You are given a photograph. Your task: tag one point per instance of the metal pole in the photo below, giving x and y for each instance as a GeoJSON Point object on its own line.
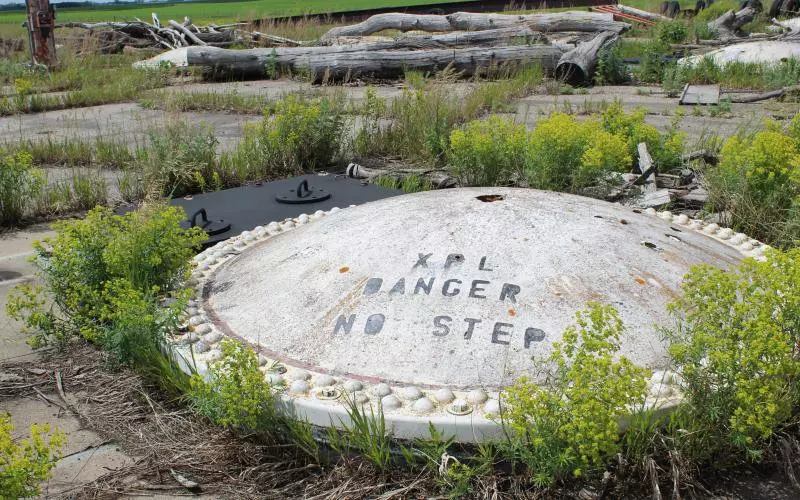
{"type": "Point", "coordinates": [41, 32]}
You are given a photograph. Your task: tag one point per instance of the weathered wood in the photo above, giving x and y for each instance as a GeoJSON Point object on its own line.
{"type": "Point", "coordinates": [440, 179]}
{"type": "Point", "coordinates": [646, 166]}
{"type": "Point", "coordinates": [183, 29]}
{"type": "Point", "coordinates": [327, 62]}
{"type": "Point", "coordinates": [765, 95]}
{"type": "Point", "coordinates": [466, 21]}
{"type": "Point", "coordinates": [642, 13]}
{"type": "Point", "coordinates": [522, 33]}
{"type": "Point", "coordinates": [656, 198]}
{"type": "Point", "coordinates": [706, 155]}
{"type": "Point", "coordinates": [577, 66]}
{"type": "Point", "coordinates": [391, 21]}
{"type": "Point", "coordinates": [729, 24]}
{"type": "Point", "coordinates": [559, 21]}
{"type": "Point", "coordinates": [216, 36]}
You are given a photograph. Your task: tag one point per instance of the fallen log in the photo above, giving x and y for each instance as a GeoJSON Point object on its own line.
{"type": "Point", "coordinates": [391, 21]}
{"type": "Point", "coordinates": [439, 179]}
{"type": "Point", "coordinates": [729, 24]}
{"type": "Point", "coordinates": [467, 21]}
{"type": "Point", "coordinates": [642, 13]}
{"type": "Point", "coordinates": [765, 95]}
{"type": "Point", "coordinates": [559, 21]}
{"type": "Point", "coordinates": [522, 33]}
{"type": "Point", "coordinates": [216, 36]}
{"type": "Point", "coordinates": [576, 67]}
{"type": "Point", "coordinates": [337, 63]}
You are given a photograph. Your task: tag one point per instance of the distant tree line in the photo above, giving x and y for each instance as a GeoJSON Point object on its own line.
{"type": "Point", "coordinates": [86, 4]}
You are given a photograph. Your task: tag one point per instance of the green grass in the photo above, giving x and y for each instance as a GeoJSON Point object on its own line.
{"type": "Point", "coordinates": [215, 11]}
{"type": "Point", "coordinates": [82, 81]}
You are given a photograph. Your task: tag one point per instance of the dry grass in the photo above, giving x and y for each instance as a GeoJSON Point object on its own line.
{"type": "Point", "coordinates": [163, 435]}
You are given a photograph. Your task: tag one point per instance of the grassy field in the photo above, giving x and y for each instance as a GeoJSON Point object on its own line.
{"type": "Point", "coordinates": [219, 10]}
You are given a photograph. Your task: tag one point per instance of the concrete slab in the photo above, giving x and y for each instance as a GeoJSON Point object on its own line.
{"type": "Point", "coordinates": [86, 455]}
{"type": "Point", "coordinates": [126, 123]}
{"type": "Point", "coordinates": [13, 345]}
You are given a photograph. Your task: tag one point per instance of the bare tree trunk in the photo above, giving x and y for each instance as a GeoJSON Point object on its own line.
{"type": "Point", "coordinates": [577, 66]}
{"type": "Point", "coordinates": [559, 21]}
{"type": "Point", "coordinates": [440, 179]}
{"type": "Point", "coordinates": [328, 62]}
{"type": "Point", "coordinates": [466, 21]}
{"type": "Point", "coordinates": [728, 25]}
{"type": "Point", "coordinates": [642, 13]}
{"type": "Point", "coordinates": [391, 21]}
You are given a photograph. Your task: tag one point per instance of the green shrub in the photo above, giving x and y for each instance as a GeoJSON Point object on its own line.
{"type": "Point", "coordinates": [19, 183]}
{"type": "Point", "coordinates": [302, 136]}
{"type": "Point", "coordinates": [652, 64]}
{"type": "Point", "coordinates": [235, 393]}
{"type": "Point", "coordinates": [734, 74]}
{"type": "Point", "coordinates": [757, 184]}
{"type": "Point", "coordinates": [736, 350]}
{"type": "Point", "coordinates": [567, 154]}
{"type": "Point", "coordinates": [611, 68]}
{"type": "Point", "coordinates": [365, 433]}
{"type": "Point", "coordinates": [488, 152]}
{"type": "Point", "coordinates": [671, 32]}
{"type": "Point", "coordinates": [371, 134]}
{"type": "Point", "coordinates": [666, 149]}
{"type": "Point", "coordinates": [105, 276]}
{"type": "Point", "coordinates": [421, 123]}
{"type": "Point", "coordinates": [23, 465]}
{"type": "Point", "coordinates": [569, 424]}
{"type": "Point", "coordinates": [174, 156]}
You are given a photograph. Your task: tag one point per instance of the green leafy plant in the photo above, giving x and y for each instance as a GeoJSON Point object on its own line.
{"type": "Point", "coordinates": [735, 348]}
{"type": "Point", "coordinates": [105, 276]}
{"type": "Point", "coordinates": [488, 152]}
{"type": "Point", "coordinates": [23, 465]}
{"type": "Point", "coordinates": [302, 136]}
{"type": "Point", "coordinates": [757, 184]}
{"type": "Point", "coordinates": [234, 392]}
{"type": "Point", "coordinates": [569, 425]}
{"type": "Point", "coordinates": [652, 65]}
{"type": "Point", "coordinates": [363, 432]}
{"type": "Point", "coordinates": [666, 149]}
{"type": "Point", "coordinates": [672, 32]}
{"type": "Point", "coordinates": [19, 183]}
{"type": "Point", "coordinates": [611, 68]}
{"type": "Point", "coordinates": [565, 154]}
{"type": "Point", "coordinates": [175, 155]}
{"type": "Point", "coordinates": [271, 66]}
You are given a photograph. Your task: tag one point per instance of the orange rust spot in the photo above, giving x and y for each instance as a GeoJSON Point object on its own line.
{"type": "Point", "coordinates": [512, 312]}
{"type": "Point", "coordinates": [639, 280]}
{"type": "Point", "coordinates": [344, 269]}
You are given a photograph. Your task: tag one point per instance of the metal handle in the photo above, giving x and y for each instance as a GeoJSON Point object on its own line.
{"type": "Point", "coordinates": [303, 190]}
{"type": "Point", "coordinates": [202, 213]}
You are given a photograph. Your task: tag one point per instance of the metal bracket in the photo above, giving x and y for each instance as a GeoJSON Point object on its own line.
{"type": "Point", "coordinates": [303, 194]}
{"type": "Point", "coordinates": [211, 227]}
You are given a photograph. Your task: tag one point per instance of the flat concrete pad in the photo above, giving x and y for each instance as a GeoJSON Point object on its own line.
{"type": "Point", "coordinates": [126, 123]}
{"type": "Point", "coordinates": [86, 456]}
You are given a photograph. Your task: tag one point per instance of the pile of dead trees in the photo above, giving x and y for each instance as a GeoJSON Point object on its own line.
{"type": "Point", "coordinates": [566, 44]}
{"type": "Point", "coordinates": [114, 36]}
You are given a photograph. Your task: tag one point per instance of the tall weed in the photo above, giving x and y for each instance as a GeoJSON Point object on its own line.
{"type": "Point", "coordinates": [19, 183]}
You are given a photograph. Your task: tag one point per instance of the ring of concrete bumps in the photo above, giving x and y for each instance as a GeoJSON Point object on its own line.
{"type": "Point", "coordinates": [199, 341]}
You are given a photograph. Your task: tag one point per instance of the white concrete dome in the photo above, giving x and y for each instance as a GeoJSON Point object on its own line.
{"type": "Point", "coordinates": [427, 305]}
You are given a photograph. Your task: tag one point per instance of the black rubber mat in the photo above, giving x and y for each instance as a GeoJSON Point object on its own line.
{"type": "Point", "coordinates": [244, 208]}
